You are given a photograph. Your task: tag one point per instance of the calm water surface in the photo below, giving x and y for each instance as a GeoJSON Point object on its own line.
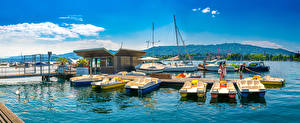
{"type": "Point", "coordinates": [59, 102]}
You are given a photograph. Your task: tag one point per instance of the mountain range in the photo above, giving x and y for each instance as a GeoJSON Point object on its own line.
{"type": "Point", "coordinates": [215, 49]}
{"type": "Point", "coordinates": [173, 50]}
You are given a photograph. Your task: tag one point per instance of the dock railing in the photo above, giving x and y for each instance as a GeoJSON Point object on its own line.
{"type": "Point", "coordinates": [22, 70]}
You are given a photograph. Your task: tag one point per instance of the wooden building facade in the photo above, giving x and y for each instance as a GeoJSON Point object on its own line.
{"type": "Point", "coordinates": [104, 61]}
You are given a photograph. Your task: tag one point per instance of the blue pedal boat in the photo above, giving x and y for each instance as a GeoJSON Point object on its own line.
{"type": "Point", "coordinates": [142, 85]}
{"type": "Point", "coordinates": [85, 80]}
{"type": "Point", "coordinates": [251, 87]}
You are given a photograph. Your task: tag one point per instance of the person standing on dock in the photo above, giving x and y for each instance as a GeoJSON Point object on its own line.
{"type": "Point", "coordinates": [241, 69]}
{"type": "Point", "coordinates": [224, 71]}
{"type": "Point", "coordinates": [220, 71]}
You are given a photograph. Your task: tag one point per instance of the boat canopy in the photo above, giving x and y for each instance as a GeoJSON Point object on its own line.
{"type": "Point", "coordinates": [256, 64]}
{"type": "Point", "coordinates": [100, 52]}
{"type": "Point", "coordinates": [148, 59]}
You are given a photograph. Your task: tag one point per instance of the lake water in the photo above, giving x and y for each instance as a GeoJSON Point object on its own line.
{"type": "Point", "coordinates": [57, 101]}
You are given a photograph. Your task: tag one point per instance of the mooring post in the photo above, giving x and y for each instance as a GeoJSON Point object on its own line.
{"type": "Point", "coordinates": [24, 65]}
{"type": "Point", "coordinates": [41, 68]}
{"type": "Point", "coordinates": [49, 57]}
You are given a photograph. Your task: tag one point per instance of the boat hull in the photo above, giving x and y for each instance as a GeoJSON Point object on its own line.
{"type": "Point", "coordinates": [257, 69]}
{"type": "Point", "coordinates": [272, 82]}
{"type": "Point", "coordinates": [202, 94]}
{"type": "Point", "coordinates": [216, 68]}
{"type": "Point", "coordinates": [247, 94]}
{"type": "Point", "coordinates": [149, 71]}
{"type": "Point", "coordinates": [80, 83]}
{"type": "Point", "coordinates": [181, 69]}
{"type": "Point", "coordinates": [143, 91]}
{"type": "Point", "coordinates": [216, 95]}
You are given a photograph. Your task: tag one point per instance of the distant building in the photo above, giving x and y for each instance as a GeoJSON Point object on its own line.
{"type": "Point", "coordinates": [104, 61]}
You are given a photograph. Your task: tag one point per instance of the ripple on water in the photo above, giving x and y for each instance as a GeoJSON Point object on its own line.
{"type": "Point", "coordinates": [59, 102]}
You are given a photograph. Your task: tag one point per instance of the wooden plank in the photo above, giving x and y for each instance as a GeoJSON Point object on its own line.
{"type": "Point", "coordinates": [175, 80]}
{"type": "Point", "coordinates": [31, 75]}
{"type": "Point", "coordinates": [8, 116]}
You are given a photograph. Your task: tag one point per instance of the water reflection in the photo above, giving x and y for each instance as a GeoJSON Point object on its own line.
{"type": "Point", "coordinates": [253, 102]}
{"type": "Point", "coordinates": [200, 101]}
{"type": "Point", "coordinates": [221, 102]}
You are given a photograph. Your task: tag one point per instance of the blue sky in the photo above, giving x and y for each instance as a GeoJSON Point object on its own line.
{"type": "Point", "coordinates": [35, 26]}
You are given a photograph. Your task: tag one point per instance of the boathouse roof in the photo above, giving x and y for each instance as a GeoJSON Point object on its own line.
{"type": "Point", "coordinates": [97, 52]}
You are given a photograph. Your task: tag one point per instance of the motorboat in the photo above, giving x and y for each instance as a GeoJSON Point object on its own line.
{"type": "Point", "coordinates": [150, 65]}
{"type": "Point", "coordinates": [108, 83]}
{"type": "Point", "coordinates": [267, 80]}
{"type": "Point", "coordinates": [4, 64]}
{"type": "Point", "coordinates": [85, 79]}
{"type": "Point", "coordinates": [180, 67]}
{"type": "Point", "coordinates": [257, 67]}
{"type": "Point", "coordinates": [215, 67]}
{"type": "Point", "coordinates": [142, 85]}
{"type": "Point", "coordinates": [132, 73]}
{"type": "Point", "coordinates": [251, 87]}
{"type": "Point", "coordinates": [194, 87]}
{"type": "Point", "coordinates": [223, 88]}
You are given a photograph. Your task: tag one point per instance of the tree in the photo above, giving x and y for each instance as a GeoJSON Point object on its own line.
{"type": "Point", "coordinates": [62, 61]}
{"type": "Point", "coordinates": [82, 63]}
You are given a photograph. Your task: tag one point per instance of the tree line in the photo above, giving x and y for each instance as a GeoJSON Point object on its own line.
{"type": "Point", "coordinates": [238, 57]}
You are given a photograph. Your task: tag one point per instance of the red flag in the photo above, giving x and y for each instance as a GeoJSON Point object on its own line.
{"type": "Point", "coordinates": [153, 26]}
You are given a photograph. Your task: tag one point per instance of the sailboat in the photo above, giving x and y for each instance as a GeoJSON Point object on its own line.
{"type": "Point", "coordinates": [180, 66]}
{"type": "Point", "coordinates": [150, 64]}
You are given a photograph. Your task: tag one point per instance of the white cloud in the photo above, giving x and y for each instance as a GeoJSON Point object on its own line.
{"type": "Point", "coordinates": [14, 49]}
{"type": "Point", "coordinates": [48, 31]}
{"type": "Point", "coordinates": [86, 29]}
{"type": "Point", "coordinates": [266, 44]}
{"type": "Point", "coordinates": [31, 38]}
{"type": "Point", "coordinates": [72, 17]}
{"type": "Point", "coordinates": [213, 12]}
{"type": "Point", "coordinates": [206, 10]}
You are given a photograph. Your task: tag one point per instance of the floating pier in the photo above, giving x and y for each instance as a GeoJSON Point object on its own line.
{"type": "Point", "coordinates": [176, 81]}
{"type": "Point", "coordinates": [7, 116]}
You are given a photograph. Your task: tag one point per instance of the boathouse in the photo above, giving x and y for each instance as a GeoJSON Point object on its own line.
{"type": "Point", "coordinates": [105, 61]}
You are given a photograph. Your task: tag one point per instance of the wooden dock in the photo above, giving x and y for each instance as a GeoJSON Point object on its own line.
{"type": "Point", "coordinates": [52, 74]}
{"type": "Point", "coordinates": [176, 81]}
{"type": "Point", "coordinates": [7, 116]}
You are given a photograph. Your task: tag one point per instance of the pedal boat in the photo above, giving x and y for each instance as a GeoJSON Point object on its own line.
{"type": "Point", "coordinates": [223, 88]}
{"type": "Point", "coordinates": [85, 79]}
{"type": "Point", "coordinates": [142, 85]}
{"type": "Point", "coordinates": [251, 87]}
{"type": "Point", "coordinates": [267, 80]}
{"type": "Point", "coordinates": [106, 83]}
{"type": "Point", "coordinates": [193, 88]}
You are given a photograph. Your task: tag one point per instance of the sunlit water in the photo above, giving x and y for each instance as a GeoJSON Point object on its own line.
{"type": "Point", "coordinates": [57, 101]}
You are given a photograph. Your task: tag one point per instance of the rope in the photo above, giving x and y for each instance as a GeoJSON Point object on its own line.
{"type": "Point", "coordinates": [253, 71]}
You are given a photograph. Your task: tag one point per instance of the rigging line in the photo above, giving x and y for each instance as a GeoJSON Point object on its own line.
{"type": "Point", "coordinates": [184, 46]}
{"type": "Point", "coordinates": [176, 37]}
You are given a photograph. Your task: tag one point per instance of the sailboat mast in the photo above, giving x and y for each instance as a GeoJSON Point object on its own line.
{"type": "Point", "coordinates": [153, 40]}
{"type": "Point", "coordinates": [176, 37]}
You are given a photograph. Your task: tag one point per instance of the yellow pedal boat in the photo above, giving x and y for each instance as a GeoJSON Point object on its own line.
{"type": "Point", "coordinates": [108, 83]}
{"type": "Point", "coordinates": [193, 88]}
